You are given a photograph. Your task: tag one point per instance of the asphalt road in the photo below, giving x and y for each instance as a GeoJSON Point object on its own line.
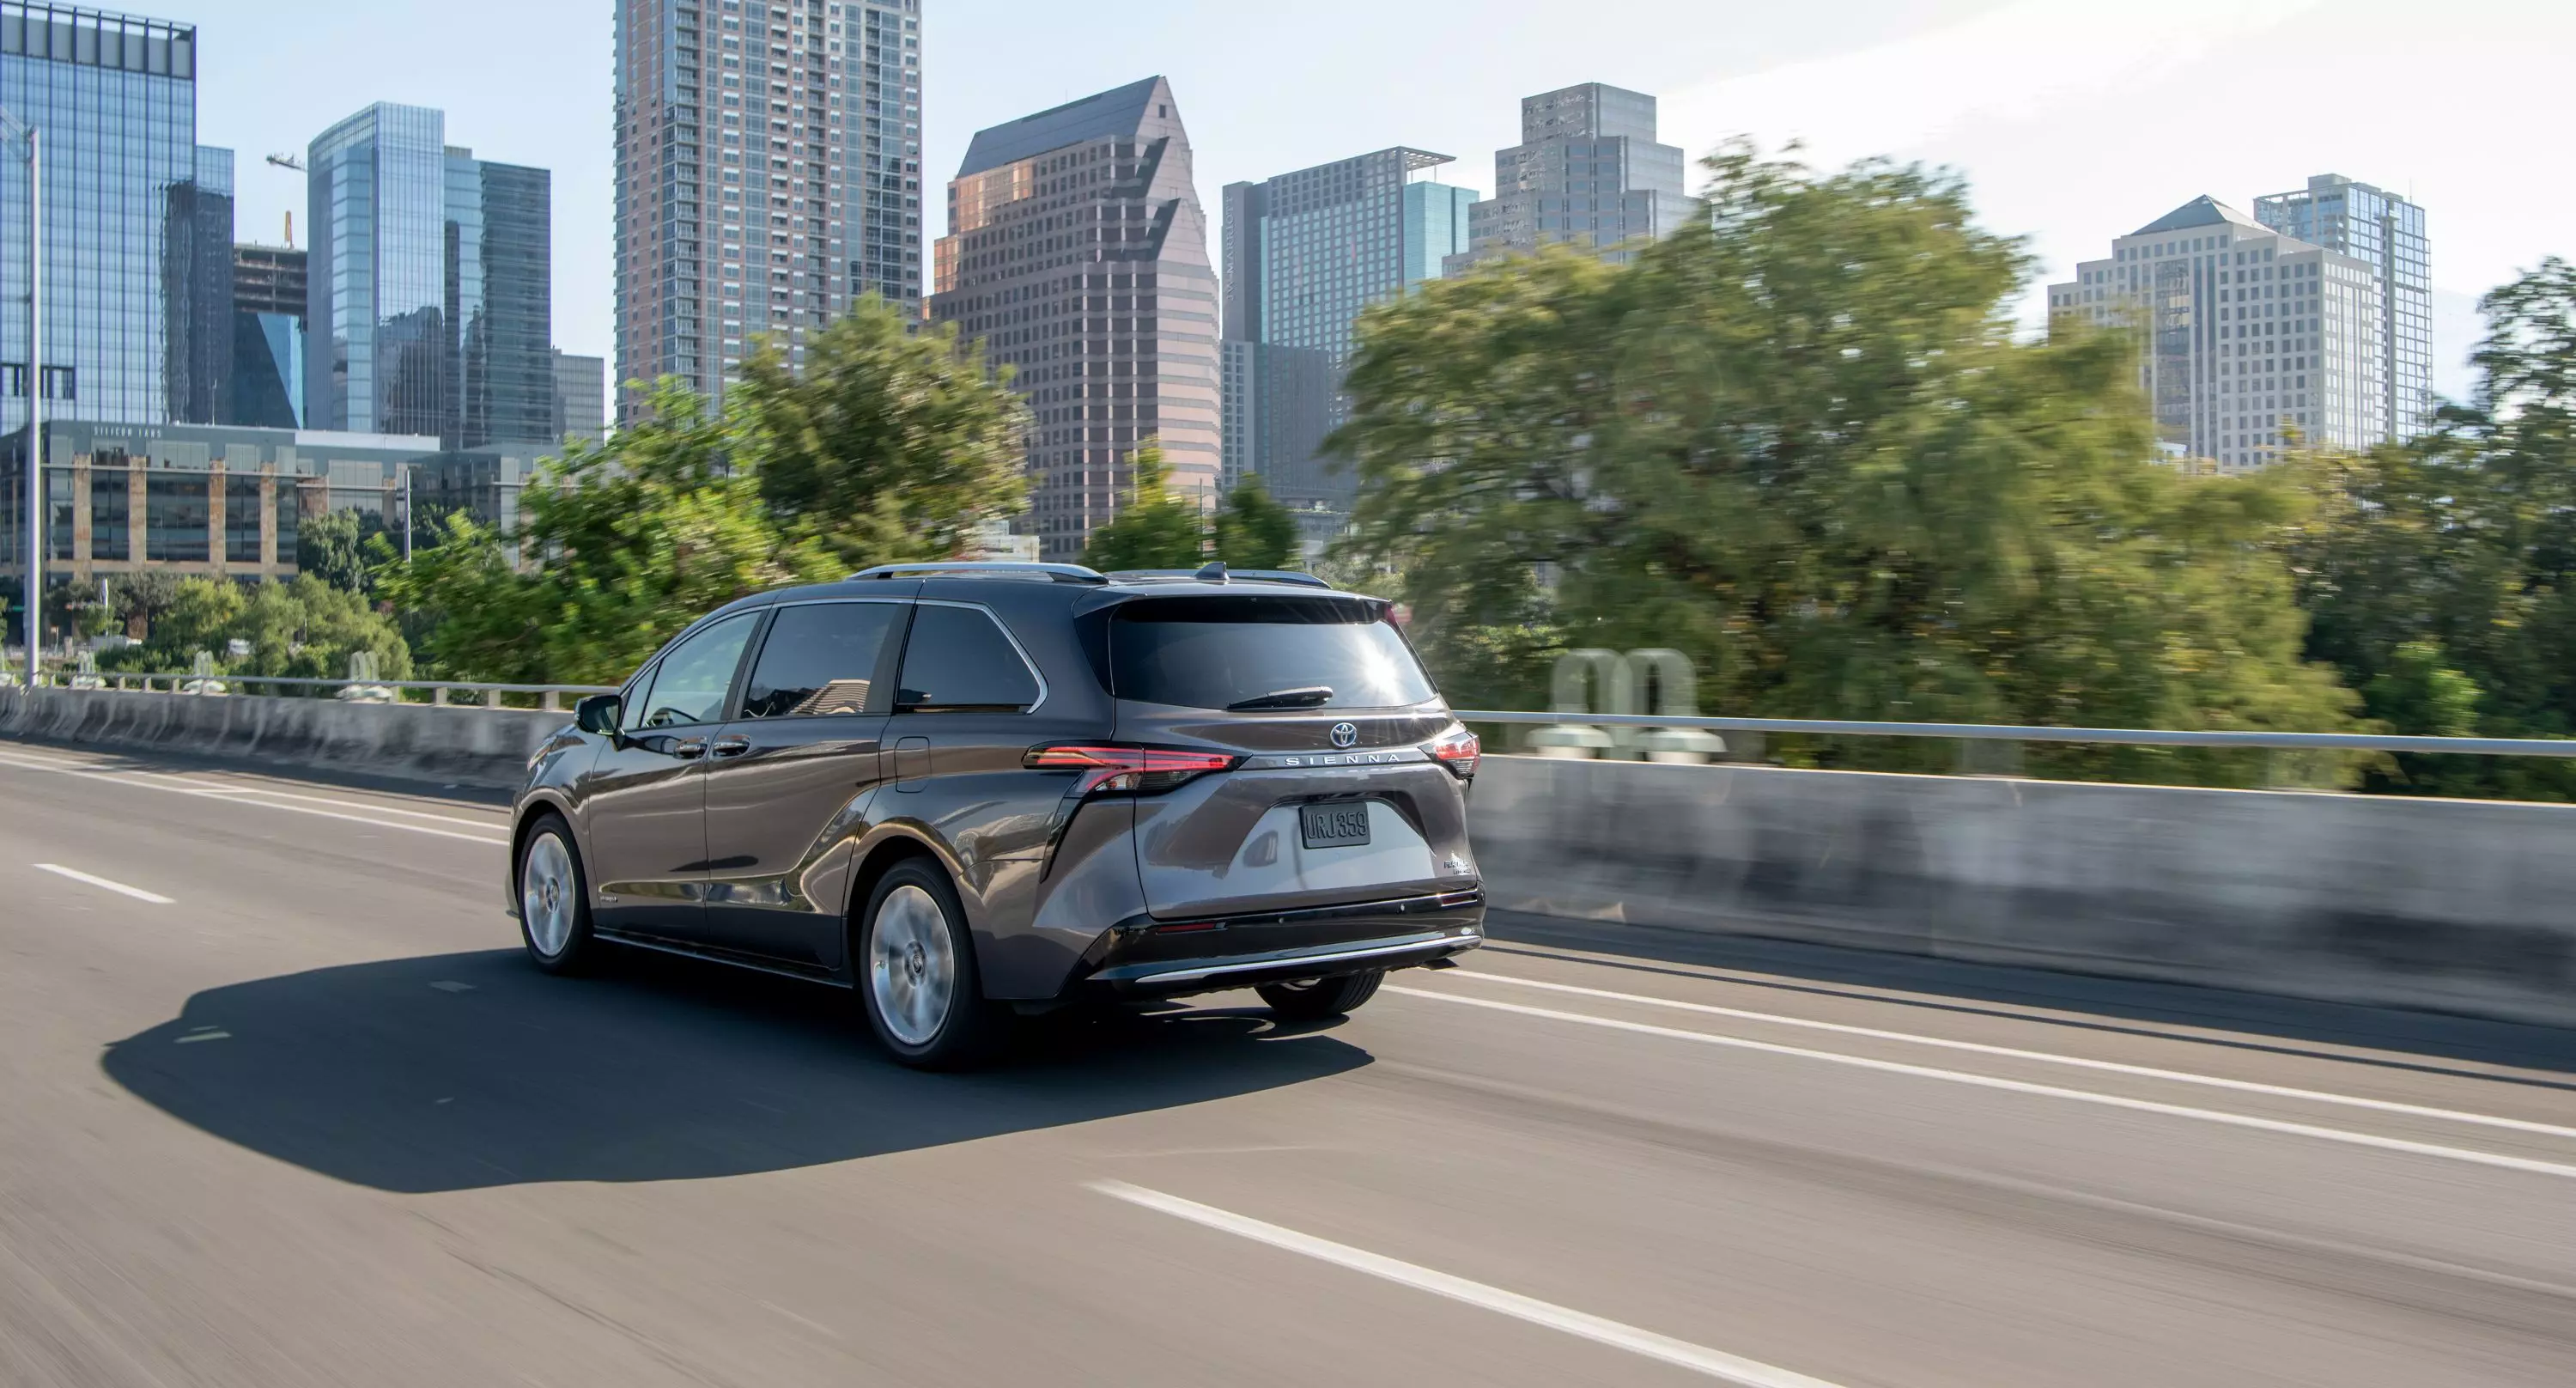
{"type": "Point", "coordinates": [300, 1115]}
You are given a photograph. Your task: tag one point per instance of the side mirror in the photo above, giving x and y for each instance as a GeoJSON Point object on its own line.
{"type": "Point", "coordinates": [598, 714]}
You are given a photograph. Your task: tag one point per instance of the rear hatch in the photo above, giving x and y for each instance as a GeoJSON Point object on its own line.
{"type": "Point", "coordinates": [1334, 797]}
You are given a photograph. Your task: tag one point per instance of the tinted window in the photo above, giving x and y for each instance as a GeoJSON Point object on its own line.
{"type": "Point", "coordinates": [1221, 652]}
{"type": "Point", "coordinates": [958, 658]}
{"type": "Point", "coordinates": [690, 687]}
{"type": "Point", "coordinates": [639, 701]}
{"type": "Point", "coordinates": [821, 658]}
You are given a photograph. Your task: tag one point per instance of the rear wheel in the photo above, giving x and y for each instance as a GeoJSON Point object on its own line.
{"type": "Point", "coordinates": [554, 900]}
{"type": "Point", "coordinates": [917, 973]}
{"type": "Point", "coordinates": [1304, 999]}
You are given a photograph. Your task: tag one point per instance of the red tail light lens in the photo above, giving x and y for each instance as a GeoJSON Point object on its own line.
{"type": "Point", "coordinates": [1459, 751]}
{"type": "Point", "coordinates": [1137, 770]}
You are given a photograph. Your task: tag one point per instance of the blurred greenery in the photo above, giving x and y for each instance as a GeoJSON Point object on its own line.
{"type": "Point", "coordinates": [302, 628]}
{"type": "Point", "coordinates": [1159, 530]}
{"type": "Point", "coordinates": [1801, 443]}
{"type": "Point", "coordinates": [2442, 573]}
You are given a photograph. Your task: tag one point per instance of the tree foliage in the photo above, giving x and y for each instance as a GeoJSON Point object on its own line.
{"type": "Point", "coordinates": [302, 628]}
{"type": "Point", "coordinates": [2442, 577]}
{"type": "Point", "coordinates": [1253, 531]}
{"type": "Point", "coordinates": [1158, 529]}
{"type": "Point", "coordinates": [1799, 442]}
{"type": "Point", "coordinates": [879, 446]}
{"type": "Point", "coordinates": [332, 547]}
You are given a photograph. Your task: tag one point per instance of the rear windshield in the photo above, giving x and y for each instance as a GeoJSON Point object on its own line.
{"type": "Point", "coordinates": [1262, 652]}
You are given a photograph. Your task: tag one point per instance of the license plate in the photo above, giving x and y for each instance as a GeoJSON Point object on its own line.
{"type": "Point", "coordinates": [1337, 825]}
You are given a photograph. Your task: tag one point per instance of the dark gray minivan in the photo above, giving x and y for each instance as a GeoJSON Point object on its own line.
{"type": "Point", "coordinates": [970, 791]}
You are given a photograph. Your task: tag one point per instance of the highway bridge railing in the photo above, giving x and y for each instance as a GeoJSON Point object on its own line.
{"type": "Point", "coordinates": [2004, 732]}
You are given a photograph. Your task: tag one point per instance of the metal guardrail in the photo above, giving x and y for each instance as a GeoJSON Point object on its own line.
{"type": "Point", "coordinates": [2003, 732]}
{"type": "Point", "coordinates": [441, 692]}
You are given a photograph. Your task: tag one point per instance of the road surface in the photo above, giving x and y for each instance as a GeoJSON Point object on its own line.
{"type": "Point", "coordinates": [281, 1104]}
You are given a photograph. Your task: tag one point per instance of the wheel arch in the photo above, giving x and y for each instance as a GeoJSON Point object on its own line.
{"type": "Point", "coordinates": [524, 823]}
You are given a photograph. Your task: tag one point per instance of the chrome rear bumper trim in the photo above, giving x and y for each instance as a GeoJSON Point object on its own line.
{"type": "Point", "coordinates": [1376, 950]}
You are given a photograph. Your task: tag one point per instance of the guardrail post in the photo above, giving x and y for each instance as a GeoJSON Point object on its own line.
{"type": "Point", "coordinates": [551, 702]}
{"type": "Point", "coordinates": [438, 696]}
{"type": "Point", "coordinates": [1980, 756]}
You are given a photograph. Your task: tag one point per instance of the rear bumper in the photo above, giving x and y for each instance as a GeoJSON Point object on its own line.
{"type": "Point", "coordinates": [1160, 959]}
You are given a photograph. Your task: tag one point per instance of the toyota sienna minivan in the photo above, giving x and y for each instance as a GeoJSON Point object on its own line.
{"type": "Point", "coordinates": [970, 791]}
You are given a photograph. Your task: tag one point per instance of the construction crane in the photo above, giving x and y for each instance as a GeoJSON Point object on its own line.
{"type": "Point", "coordinates": [287, 161]}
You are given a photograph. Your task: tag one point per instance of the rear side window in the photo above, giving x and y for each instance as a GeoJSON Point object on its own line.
{"type": "Point", "coordinates": [821, 659]}
{"type": "Point", "coordinates": [1266, 652]}
{"type": "Point", "coordinates": [958, 659]}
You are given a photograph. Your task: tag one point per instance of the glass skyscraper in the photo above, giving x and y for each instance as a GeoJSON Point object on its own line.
{"type": "Point", "coordinates": [1304, 254]}
{"type": "Point", "coordinates": [429, 305]}
{"type": "Point", "coordinates": [268, 337]}
{"type": "Point", "coordinates": [138, 218]}
{"type": "Point", "coordinates": [2387, 232]}
{"type": "Point", "coordinates": [1587, 172]}
{"type": "Point", "coordinates": [768, 175]}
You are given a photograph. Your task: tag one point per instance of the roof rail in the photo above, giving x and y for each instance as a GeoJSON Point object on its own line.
{"type": "Point", "coordinates": [991, 568]}
{"type": "Point", "coordinates": [1303, 580]}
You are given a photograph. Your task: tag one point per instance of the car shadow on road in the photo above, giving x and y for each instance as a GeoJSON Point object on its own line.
{"type": "Point", "coordinates": [2393, 1038]}
{"type": "Point", "coordinates": [457, 1071]}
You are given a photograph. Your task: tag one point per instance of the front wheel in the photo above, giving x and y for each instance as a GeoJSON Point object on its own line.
{"type": "Point", "coordinates": [1307, 999]}
{"type": "Point", "coordinates": [918, 979]}
{"type": "Point", "coordinates": [554, 901]}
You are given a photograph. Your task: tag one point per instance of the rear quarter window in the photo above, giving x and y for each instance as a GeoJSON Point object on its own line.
{"type": "Point", "coordinates": [1262, 651]}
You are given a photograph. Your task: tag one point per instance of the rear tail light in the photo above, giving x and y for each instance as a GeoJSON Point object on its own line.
{"type": "Point", "coordinates": [1459, 751]}
{"type": "Point", "coordinates": [1136, 770]}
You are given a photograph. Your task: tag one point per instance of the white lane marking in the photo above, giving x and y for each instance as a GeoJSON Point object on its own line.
{"type": "Point", "coordinates": [213, 789]}
{"type": "Point", "coordinates": [137, 779]}
{"type": "Point", "coordinates": [1716, 1364]}
{"type": "Point", "coordinates": [2078, 1062]}
{"type": "Point", "coordinates": [2086, 1096]}
{"type": "Point", "coordinates": [103, 884]}
{"type": "Point", "coordinates": [449, 985]}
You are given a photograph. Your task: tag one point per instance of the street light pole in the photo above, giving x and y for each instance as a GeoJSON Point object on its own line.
{"type": "Point", "coordinates": [35, 385]}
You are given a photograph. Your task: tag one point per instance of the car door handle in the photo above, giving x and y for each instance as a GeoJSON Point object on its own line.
{"type": "Point", "coordinates": [729, 745]}
{"type": "Point", "coordinates": [688, 748]}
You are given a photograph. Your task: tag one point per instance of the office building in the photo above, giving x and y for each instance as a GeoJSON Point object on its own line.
{"type": "Point", "coordinates": [581, 397]}
{"type": "Point", "coordinates": [2387, 232]}
{"type": "Point", "coordinates": [1303, 254]}
{"type": "Point", "coordinates": [2253, 341]}
{"type": "Point", "coordinates": [1077, 251]}
{"type": "Point", "coordinates": [138, 218]}
{"type": "Point", "coordinates": [1587, 172]}
{"type": "Point", "coordinates": [268, 337]}
{"type": "Point", "coordinates": [768, 175]}
{"type": "Point", "coordinates": [429, 297]}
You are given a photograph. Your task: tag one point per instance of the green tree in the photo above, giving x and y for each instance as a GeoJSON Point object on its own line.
{"type": "Point", "coordinates": [627, 542]}
{"type": "Point", "coordinates": [882, 444]}
{"type": "Point", "coordinates": [1156, 529]}
{"type": "Point", "coordinates": [333, 547]}
{"type": "Point", "coordinates": [2442, 576]}
{"type": "Point", "coordinates": [1800, 442]}
{"type": "Point", "coordinates": [141, 598]}
{"type": "Point", "coordinates": [1253, 531]}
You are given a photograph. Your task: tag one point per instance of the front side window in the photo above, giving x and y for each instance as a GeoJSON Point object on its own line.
{"type": "Point", "coordinates": [958, 660]}
{"type": "Point", "coordinates": [821, 659]}
{"type": "Point", "coordinates": [691, 684]}
{"type": "Point", "coordinates": [1265, 652]}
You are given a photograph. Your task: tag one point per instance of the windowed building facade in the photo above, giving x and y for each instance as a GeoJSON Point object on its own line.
{"type": "Point", "coordinates": [430, 285]}
{"type": "Point", "coordinates": [1587, 172]}
{"type": "Point", "coordinates": [138, 219]}
{"type": "Point", "coordinates": [2255, 341]}
{"type": "Point", "coordinates": [1304, 254]}
{"type": "Point", "coordinates": [2385, 232]}
{"type": "Point", "coordinates": [1077, 251]}
{"type": "Point", "coordinates": [768, 176]}
{"type": "Point", "coordinates": [268, 338]}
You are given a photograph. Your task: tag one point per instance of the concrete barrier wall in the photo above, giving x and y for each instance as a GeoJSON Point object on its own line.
{"type": "Point", "coordinates": [2463, 906]}
{"type": "Point", "coordinates": [460, 746]}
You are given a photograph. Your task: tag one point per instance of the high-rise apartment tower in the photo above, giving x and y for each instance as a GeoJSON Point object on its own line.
{"type": "Point", "coordinates": [2387, 232]}
{"type": "Point", "coordinates": [768, 174]}
{"type": "Point", "coordinates": [1303, 254]}
{"type": "Point", "coordinates": [1076, 249]}
{"type": "Point", "coordinates": [1587, 172]}
{"type": "Point", "coordinates": [2253, 340]}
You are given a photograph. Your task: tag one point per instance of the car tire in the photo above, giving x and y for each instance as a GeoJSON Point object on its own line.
{"type": "Point", "coordinates": [915, 967]}
{"type": "Point", "coordinates": [1309, 999]}
{"type": "Point", "coordinates": [554, 900]}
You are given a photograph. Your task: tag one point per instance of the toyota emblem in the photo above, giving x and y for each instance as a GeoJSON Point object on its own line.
{"type": "Point", "coordinates": [1345, 734]}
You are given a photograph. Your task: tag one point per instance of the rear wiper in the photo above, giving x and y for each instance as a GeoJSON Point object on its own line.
{"type": "Point", "coordinates": [1312, 696]}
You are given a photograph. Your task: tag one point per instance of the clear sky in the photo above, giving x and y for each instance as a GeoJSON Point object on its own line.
{"type": "Point", "coordinates": [2074, 120]}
